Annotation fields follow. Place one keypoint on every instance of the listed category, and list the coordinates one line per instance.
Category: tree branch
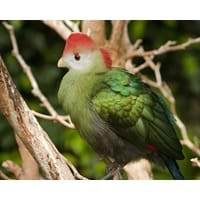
(29, 131)
(170, 46)
(29, 169)
(36, 90)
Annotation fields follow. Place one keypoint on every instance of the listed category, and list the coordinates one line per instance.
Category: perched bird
(122, 118)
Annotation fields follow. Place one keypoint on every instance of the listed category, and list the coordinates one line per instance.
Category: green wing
(136, 113)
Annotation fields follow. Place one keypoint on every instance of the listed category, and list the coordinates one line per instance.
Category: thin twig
(155, 68)
(55, 118)
(134, 70)
(136, 44)
(185, 139)
(148, 81)
(168, 47)
(36, 90)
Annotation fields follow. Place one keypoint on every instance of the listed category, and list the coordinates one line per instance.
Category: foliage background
(41, 47)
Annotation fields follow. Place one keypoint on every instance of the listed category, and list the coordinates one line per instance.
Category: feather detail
(77, 42)
(173, 168)
(106, 57)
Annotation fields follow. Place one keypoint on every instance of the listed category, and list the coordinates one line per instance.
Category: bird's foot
(113, 172)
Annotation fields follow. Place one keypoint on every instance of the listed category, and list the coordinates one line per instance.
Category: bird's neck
(75, 93)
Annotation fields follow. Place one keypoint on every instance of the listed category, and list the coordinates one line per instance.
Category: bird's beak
(61, 63)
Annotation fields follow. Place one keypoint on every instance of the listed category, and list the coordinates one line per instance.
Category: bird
(122, 118)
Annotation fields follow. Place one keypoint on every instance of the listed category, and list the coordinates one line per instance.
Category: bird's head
(82, 54)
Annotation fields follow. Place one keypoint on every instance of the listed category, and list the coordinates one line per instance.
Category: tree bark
(29, 169)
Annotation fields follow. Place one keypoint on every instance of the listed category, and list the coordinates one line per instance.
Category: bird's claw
(113, 171)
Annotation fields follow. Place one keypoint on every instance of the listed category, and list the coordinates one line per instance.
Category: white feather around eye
(79, 64)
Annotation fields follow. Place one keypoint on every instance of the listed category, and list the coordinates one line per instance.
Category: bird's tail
(173, 168)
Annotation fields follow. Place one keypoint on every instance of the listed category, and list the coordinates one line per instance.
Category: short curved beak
(61, 63)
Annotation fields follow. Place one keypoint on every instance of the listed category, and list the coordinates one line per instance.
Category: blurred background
(41, 47)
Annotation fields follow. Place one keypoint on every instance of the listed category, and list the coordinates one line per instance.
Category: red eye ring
(77, 56)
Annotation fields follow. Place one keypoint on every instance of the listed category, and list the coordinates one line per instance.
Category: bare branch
(56, 118)
(36, 90)
(168, 47)
(59, 27)
(155, 68)
(171, 46)
(186, 141)
(137, 44)
(134, 70)
(148, 81)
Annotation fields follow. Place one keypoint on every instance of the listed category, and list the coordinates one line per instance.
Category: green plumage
(138, 114)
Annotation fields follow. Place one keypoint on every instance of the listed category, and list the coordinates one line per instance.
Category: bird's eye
(77, 56)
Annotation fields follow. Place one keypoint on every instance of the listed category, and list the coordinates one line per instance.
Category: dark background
(41, 47)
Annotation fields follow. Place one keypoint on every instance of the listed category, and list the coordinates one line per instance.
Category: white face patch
(85, 60)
